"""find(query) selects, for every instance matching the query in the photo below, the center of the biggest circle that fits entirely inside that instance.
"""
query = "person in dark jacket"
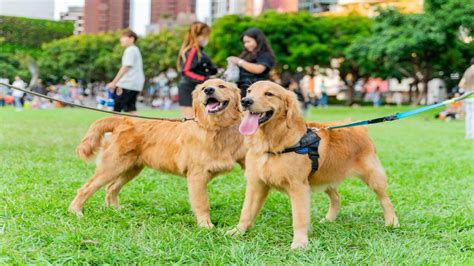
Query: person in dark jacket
(194, 64)
(256, 61)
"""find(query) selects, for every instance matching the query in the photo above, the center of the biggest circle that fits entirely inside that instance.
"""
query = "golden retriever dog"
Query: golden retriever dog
(198, 149)
(273, 122)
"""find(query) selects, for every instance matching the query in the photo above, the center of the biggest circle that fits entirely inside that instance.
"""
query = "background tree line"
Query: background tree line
(420, 46)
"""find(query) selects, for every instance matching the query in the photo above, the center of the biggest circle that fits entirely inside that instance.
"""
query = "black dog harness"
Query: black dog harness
(308, 144)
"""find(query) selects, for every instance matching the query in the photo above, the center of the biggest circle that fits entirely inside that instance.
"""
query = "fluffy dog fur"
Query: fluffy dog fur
(199, 149)
(343, 152)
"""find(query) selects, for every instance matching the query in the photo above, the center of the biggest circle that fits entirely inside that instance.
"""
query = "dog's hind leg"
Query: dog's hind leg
(370, 170)
(114, 187)
(106, 172)
(334, 204)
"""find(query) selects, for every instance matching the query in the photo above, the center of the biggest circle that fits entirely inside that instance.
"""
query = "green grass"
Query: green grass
(431, 183)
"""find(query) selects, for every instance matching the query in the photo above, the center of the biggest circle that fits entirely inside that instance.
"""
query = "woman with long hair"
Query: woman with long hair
(194, 65)
(256, 61)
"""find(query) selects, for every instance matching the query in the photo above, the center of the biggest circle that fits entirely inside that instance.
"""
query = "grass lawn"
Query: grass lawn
(430, 167)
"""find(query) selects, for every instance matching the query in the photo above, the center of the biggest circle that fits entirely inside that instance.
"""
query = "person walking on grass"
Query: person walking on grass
(17, 94)
(194, 64)
(467, 84)
(129, 81)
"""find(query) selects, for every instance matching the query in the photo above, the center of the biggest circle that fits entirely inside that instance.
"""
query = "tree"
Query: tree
(97, 57)
(419, 46)
(298, 39)
(21, 40)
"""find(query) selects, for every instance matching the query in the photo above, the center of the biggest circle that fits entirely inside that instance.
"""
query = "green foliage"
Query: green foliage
(32, 33)
(84, 57)
(98, 57)
(21, 40)
(411, 45)
(298, 39)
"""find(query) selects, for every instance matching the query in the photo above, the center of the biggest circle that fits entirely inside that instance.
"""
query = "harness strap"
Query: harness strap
(308, 144)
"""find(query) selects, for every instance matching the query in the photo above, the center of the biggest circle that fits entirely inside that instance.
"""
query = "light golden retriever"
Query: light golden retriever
(273, 122)
(199, 149)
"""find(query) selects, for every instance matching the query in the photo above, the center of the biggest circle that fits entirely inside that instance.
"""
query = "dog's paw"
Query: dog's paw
(234, 232)
(299, 244)
(392, 222)
(206, 224)
(326, 220)
(76, 211)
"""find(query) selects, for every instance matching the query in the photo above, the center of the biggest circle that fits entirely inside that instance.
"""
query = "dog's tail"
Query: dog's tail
(92, 140)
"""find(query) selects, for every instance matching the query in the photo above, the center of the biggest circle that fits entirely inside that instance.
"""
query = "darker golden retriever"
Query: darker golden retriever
(273, 122)
(199, 149)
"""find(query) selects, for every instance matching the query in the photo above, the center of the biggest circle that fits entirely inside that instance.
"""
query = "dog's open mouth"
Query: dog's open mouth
(214, 106)
(253, 120)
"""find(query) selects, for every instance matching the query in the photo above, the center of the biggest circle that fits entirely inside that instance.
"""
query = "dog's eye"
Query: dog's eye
(268, 93)
(249, 91)
(222, 86)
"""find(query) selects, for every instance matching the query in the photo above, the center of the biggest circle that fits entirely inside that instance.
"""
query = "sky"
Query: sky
(140, 16)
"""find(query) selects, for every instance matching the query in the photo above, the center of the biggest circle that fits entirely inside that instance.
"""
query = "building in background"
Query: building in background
(76, 15)
(168, 14)
(369, 7)
(210, 10)
(43, 9)
(316, 6)
(257, 7)
(106, 15)
(171, 9)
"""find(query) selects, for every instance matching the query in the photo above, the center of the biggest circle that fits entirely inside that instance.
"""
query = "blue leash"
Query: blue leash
(404, 114)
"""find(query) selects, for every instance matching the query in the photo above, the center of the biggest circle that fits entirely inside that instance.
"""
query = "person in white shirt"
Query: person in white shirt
(17, 94)
(467, 84)
(129, 81)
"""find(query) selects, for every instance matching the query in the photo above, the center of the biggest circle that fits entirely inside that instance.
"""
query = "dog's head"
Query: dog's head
(269, 105)
(216, 103)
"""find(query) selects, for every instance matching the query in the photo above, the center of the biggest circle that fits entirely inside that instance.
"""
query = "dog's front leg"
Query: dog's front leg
(255, 195)
(300, 197)
(197, 187)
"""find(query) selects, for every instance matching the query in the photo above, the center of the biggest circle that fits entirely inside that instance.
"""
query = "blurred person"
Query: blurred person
(323, 97)
(467, 84)
(194, 64)
(3, 92)
(376, 97)
(129, 81)
(256, 61)
(452, 111)
(291, 83)
(17, 94)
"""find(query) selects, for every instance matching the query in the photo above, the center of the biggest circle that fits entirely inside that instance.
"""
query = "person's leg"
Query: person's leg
(186, 102)
(469, 118)
(130, 101)
(18, 105)
(118, 100)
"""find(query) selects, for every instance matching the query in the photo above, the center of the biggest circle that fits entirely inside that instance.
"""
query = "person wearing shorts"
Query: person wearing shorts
(194, 65)
(129, 81)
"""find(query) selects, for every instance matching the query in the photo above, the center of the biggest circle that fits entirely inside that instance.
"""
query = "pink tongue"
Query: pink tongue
(211, 106)
(249, 124)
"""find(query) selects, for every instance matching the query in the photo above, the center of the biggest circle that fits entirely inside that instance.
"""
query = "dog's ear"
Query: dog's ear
(293, 114)
(197, 107)
(236, 92)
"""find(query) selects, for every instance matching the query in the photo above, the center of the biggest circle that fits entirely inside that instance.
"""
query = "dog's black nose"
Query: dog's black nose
(209, 90)
(246, 102)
